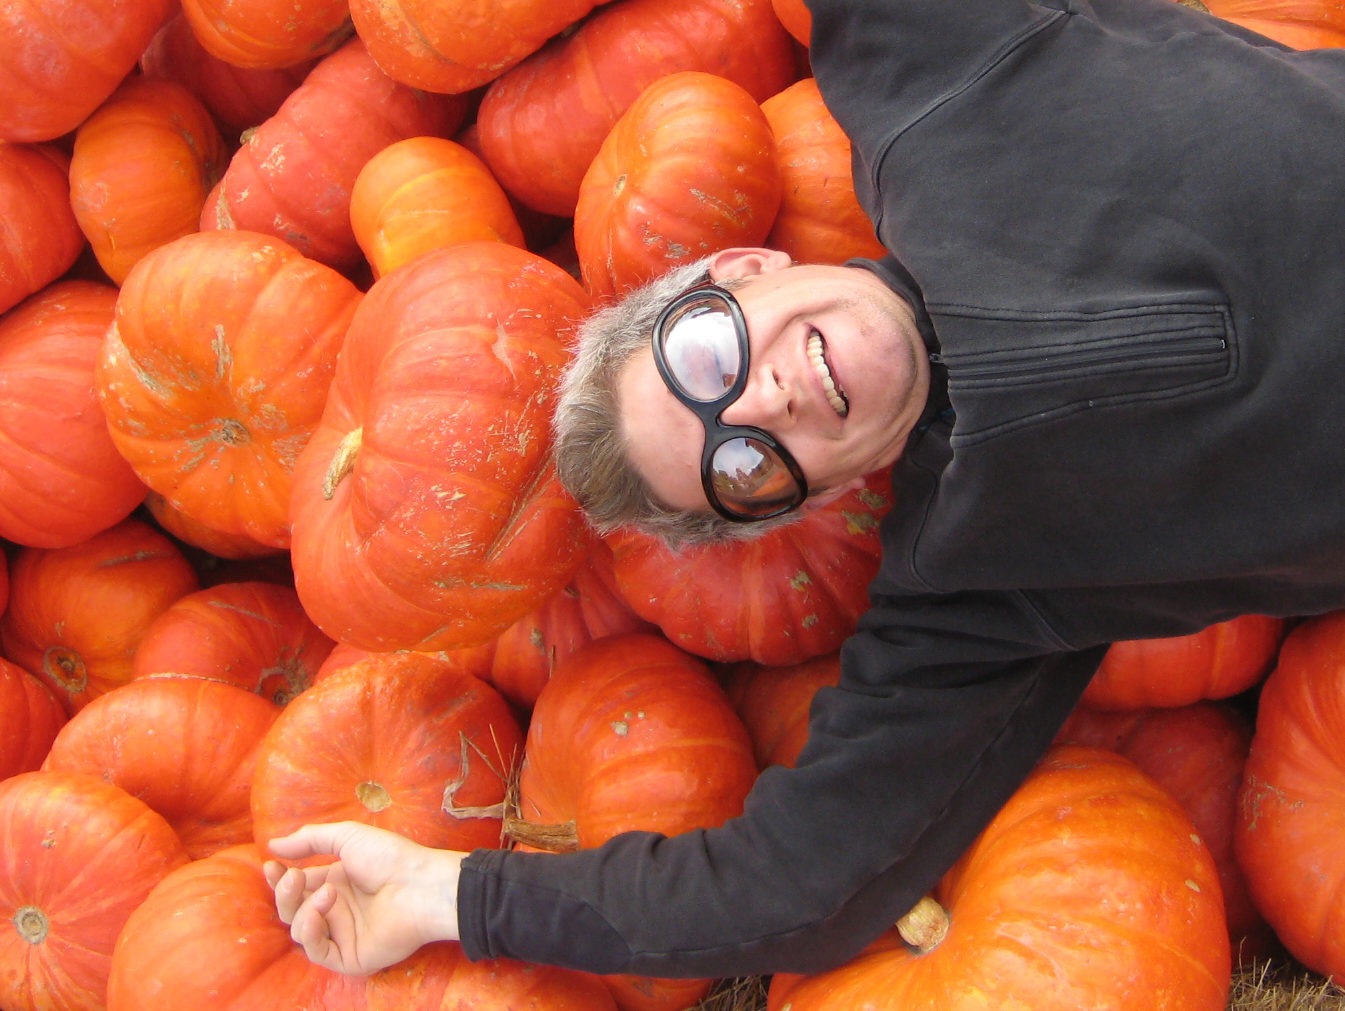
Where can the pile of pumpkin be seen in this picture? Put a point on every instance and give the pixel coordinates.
(285, 294)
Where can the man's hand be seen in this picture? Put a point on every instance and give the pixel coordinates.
(383, 898)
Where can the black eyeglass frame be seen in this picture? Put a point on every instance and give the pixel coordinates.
(709, 412)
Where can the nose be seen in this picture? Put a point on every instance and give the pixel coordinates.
(766, 401)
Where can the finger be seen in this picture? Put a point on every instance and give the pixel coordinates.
(311, 840)
(273, 870)
(290, 890)
(311, 930)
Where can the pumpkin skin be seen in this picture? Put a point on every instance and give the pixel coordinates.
(146, 737)
(543, 121)
(128, 206)
(820, 220)
(260, 34)
(293, 175)
(77, 614)
(32, 716)
(61, 481)
(632, 733)
(77, 855)
(59, 61)
(1299, 24)
(792, 594)
(1197, 753)
(216, 372)
(1088, 890)
(41, 240)
(195, 534)
(422, 193)
(237, 97)
(423, 750)
(453, 46)
(773, 703)
(1217, 662)
(1292, 817)
(689, 168)
(426, 513)
(251, 634)
(796, 17)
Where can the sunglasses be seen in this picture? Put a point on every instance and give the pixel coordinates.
(701, 351)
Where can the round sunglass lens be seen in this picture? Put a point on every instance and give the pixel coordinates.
(700, 346)
(750, 479)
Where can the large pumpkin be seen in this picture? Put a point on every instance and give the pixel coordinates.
(251, 633)
(1219, 661)
(1292, 809)
(208, 938)
(183, 745)
(426, 513)
(1300, 24)
(543, 121)
(58, 61)
(41, 239)
(77, 614)
(453, 46)
(1089, 889)
(142, 165)
(402, 741)
(61, 478)
(293, 175)
(796, 592)
(77, 856)
(216, 372)
(688, 169)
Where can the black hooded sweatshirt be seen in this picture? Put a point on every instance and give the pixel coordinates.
(1122, 225)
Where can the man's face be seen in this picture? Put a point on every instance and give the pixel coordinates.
(841, 417)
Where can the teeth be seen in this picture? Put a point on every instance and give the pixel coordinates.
(834, 396)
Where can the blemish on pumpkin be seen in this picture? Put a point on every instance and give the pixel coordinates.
(619, 185)
(809, 620)
(860, 523)
(1192, 885)
(231, 432)
(31, 923)
(800, 580)
(872, 499)
(220, 347)
(373, 796)
(66, 668)
(620, 727)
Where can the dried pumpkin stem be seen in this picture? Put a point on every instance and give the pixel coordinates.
(562, 838)
(342, 462)
(924, 926)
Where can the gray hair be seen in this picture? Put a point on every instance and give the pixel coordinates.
(590, 447)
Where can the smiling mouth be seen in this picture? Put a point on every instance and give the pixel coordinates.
(817, 356)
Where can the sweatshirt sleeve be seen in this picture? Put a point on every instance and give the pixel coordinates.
(931, 728)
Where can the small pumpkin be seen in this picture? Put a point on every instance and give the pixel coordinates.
(77, 856)
(184, 745)
(773, 703)
(77, 614)
(32, 716)
(1217, 662)
(689, 168)
(257, 33)
(41, 240)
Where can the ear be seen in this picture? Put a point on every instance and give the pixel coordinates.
(829, 495)
(744, 261)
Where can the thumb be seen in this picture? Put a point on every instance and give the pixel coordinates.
(314, 840)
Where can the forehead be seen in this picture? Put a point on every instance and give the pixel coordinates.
(663, 438)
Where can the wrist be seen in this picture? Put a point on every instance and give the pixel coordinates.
(437, 901)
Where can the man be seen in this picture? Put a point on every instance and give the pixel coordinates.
(1106, 353)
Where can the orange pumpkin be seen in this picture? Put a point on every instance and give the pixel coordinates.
(1215, 663)
(1292, 819)
(1088, 889)
(688, 169)
(543, 121)
(1300, 24)
(146, 737)
(129, 206)
(258, 33)
(426, 513)
(422, 193)
(77, 856)
(293, 175)
(251, 634)
(453, 46)
(41, 239)
(216, 371)
(796, 17)
(61, 478)
(399, 740)
(76, 614)
(32, 716)
(773, 703)
(58, 61)
(794, 593)
(820, 220)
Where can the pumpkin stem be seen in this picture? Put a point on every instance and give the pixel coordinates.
(342, 462)
(31, 924)
(562, 838)
(924, 926)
